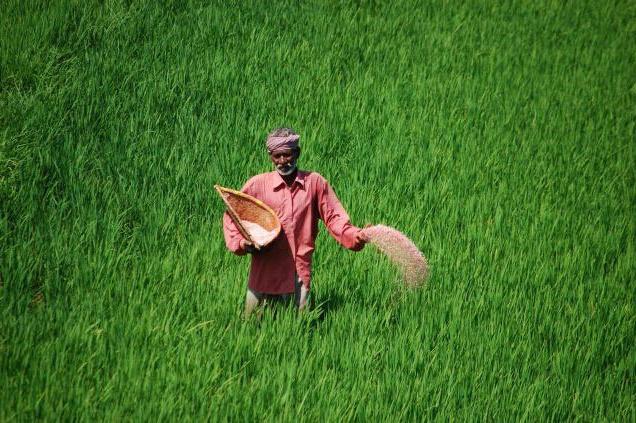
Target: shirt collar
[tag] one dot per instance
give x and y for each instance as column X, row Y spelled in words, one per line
column 279, row 183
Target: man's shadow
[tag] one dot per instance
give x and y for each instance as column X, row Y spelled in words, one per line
column 319, row 308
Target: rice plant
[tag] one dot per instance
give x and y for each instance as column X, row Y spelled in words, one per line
column 498, row 136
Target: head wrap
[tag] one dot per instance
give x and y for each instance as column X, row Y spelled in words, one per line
column 282, row 143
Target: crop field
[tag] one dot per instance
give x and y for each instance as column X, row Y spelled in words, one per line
column 499, row 136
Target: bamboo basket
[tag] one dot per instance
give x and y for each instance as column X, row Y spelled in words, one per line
column 241, row 206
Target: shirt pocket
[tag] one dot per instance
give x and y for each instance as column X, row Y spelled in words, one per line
column 303, row 205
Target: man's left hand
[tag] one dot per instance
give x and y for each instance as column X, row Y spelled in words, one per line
column 360, row 239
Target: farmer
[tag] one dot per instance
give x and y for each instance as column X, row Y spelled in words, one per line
column 281, row 271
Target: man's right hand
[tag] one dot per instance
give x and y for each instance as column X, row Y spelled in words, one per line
column 248, row 246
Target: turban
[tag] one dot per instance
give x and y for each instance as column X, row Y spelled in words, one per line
column 282, row 143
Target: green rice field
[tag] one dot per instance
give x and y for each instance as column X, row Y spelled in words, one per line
column 499, row 136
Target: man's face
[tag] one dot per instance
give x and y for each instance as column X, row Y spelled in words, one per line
column 285, row 160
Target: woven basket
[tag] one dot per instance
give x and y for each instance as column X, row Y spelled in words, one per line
column 241, row 207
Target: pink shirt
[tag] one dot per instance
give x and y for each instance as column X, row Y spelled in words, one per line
column 298, row 207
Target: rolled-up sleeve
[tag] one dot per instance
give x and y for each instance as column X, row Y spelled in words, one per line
column 231, row 233
column 336, row 218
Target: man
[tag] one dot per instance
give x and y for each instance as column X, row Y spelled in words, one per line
column 282, row 270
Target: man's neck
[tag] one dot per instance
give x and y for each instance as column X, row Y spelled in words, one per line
column 289, row 179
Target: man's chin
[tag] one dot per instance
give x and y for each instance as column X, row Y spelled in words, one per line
column 286, row 172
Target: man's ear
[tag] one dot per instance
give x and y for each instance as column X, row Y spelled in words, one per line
column 297, row 153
